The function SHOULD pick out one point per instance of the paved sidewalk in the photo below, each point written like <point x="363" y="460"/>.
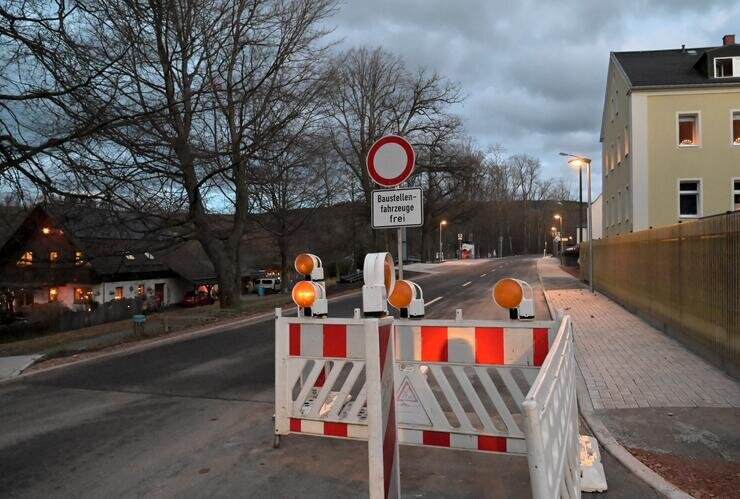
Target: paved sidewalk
<point x="627" y="363"/>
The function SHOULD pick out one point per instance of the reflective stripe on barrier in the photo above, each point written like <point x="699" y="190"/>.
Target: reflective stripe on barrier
<point x="474" y="342"/>
<point x="551" y="419"/>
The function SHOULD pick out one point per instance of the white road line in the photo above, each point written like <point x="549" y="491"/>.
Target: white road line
<point x="466" y="283"/>
<point x="432" y="301"/>
<point x="484" y="275"/>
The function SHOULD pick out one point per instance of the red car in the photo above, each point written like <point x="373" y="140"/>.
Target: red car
<point x="196" y="298"/>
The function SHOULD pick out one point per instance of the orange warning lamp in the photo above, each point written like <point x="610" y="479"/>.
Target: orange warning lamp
<point x="402" y="295"/>
<point x="507" y="293"/>
<point x="304" y="294"/>
<point x="304" y="263"/>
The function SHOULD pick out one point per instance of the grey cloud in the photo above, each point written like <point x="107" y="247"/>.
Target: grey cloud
<point x="534" y="72"/>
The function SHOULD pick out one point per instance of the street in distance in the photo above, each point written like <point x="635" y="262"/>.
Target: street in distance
<point x="397" y="208"/>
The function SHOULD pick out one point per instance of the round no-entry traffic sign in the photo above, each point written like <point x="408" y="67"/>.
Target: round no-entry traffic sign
<point x="390" y="160"/>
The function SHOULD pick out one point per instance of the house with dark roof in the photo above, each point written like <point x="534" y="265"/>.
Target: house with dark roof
<point x="81" y="255"/>
<point x="670" y="134"/>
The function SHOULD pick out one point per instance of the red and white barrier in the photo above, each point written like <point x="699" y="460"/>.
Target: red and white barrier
<point x="474" y="342"/>
<point x="384" y="478"/>
<point x="455" y="384"/>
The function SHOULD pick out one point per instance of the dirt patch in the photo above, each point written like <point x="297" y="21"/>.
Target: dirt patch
<point x="702" y="478"/>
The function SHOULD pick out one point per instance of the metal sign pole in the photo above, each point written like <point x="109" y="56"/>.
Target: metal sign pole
<point x="400" y="253"/>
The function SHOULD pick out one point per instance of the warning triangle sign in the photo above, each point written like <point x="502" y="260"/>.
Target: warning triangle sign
<point x="409" y="409"/>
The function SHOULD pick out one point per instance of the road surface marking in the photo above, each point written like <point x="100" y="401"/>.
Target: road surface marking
<point x="466" y="283"/>
<point x="432" y="301"/>
<point x="484" y="275"/>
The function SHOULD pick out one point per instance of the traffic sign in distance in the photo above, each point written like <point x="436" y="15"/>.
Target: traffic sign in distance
<point x="397" y="208"/>
<point x="390" y="160"/>
<point x="459" y="236"/>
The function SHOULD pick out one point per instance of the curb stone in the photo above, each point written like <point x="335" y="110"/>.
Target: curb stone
<point x="607" y="440"/>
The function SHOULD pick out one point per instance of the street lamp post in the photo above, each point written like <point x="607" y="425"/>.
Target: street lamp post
<point x="443" y="222"/>
<point x="579" y="162"/>
<point x="560" y="218"/>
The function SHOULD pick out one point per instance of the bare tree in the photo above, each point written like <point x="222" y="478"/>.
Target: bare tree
<point x="212" y="82"/>
<point x="374" y="94"/>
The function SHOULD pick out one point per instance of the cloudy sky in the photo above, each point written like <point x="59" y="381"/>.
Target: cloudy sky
<point x="533" y="72"/>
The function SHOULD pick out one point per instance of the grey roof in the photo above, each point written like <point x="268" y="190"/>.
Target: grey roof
<point x="677" y="67"/>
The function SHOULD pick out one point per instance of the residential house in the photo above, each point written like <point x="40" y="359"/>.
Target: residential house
<point x="83" y="256"/>
<point x="670" y="134"/>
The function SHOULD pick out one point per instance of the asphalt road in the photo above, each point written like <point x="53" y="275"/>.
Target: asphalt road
<point x="193" y="419"/>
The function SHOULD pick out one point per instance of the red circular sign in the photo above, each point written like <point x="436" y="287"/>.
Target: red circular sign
<point x="390" y="160"/>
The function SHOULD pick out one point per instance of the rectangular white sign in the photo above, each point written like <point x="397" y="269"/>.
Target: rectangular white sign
<point x="397" y="208"/>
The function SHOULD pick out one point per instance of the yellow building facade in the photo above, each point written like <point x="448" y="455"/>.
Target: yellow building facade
<point x="670" y="137"/>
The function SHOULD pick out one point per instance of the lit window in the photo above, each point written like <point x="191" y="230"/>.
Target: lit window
<point x="689" y="198"/>
<point x="140" y="290"/>
<point x="119" y="293"/>
<point x="53" y="256"/>
<point x="149" y="256"/>
<point x="129" y="256"/>
<point x="83" y="295"/>
<point x="26" y="259"/>
<point x="53" y="294"/>
<point x="688" y="129"/>
<point x="79" y="258"/>
<point x="736" y="128"/>
<point x="46" y="231"/>
<point x="736" y="194"/>
<point x="723" y="66"/>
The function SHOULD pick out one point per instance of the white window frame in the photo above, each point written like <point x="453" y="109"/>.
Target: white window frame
<point x="735" y="66"/>
<point x="698" y="129"/>
<point x="699" y="205"/>
<point x="732" y="125"/>
<point x="733" y="191"/>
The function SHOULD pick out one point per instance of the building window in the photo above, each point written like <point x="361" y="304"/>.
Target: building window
<point x="149" y="256"/>
<point x="723" y="66"/>
<point x="119" y="293"/>
<point x="688" y="129"/>
<point x="129" y="256"/>
<point x="53" y="294"/>
<point x="736" y="194"/>
<point x="53" y="256"/>
<point x="83" y="295"/>
<point x="626" y="141"/>
<point x="613" y="158"/>
<point x="689" y="198"/>
<point x="26" y="259"/>
<point x="140" y="290"/>
<point x="736" y="128"/>
<point x="79" y="258"/>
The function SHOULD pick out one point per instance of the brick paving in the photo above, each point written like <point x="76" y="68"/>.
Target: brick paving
<point x="627" y="363"/>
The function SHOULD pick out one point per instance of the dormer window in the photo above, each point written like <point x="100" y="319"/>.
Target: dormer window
<point x="26" y="259"/>
<point x="149" y="256"/>
<point x="688" y="129"/>
<point x="726" y="67"/>
<point x="79" y="257"/>
<point x="129" y="256"/>
<point x="53" y="256"/>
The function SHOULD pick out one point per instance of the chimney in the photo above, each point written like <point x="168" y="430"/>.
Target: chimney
<point x="728" y="40"/>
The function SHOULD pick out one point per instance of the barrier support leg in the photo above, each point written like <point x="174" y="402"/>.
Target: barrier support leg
<point x="384" y="477"/>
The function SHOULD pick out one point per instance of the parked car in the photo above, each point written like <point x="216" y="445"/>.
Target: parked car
<point x="196" y="298"/>
<point x="270" y="284"/>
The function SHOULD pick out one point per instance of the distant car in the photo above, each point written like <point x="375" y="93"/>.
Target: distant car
<point x="271" y="284"/>
<point x="196" y="298"/>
